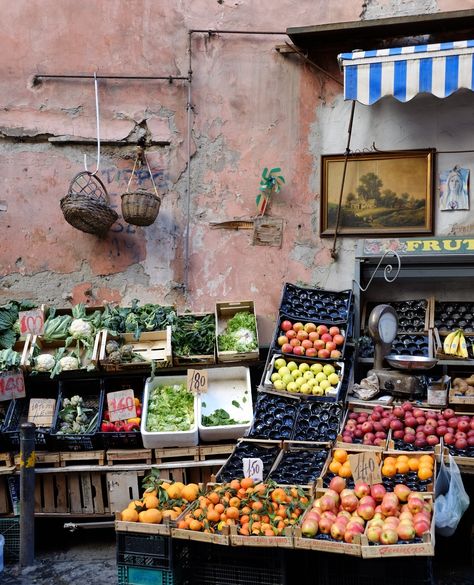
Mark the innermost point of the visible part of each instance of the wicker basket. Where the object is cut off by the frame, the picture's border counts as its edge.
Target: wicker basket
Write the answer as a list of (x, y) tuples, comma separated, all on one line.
[(140, 207), (86, 206)]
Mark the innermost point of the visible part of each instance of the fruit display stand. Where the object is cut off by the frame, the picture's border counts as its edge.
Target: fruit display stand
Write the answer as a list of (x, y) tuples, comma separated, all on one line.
[(405, 468), (338, 464)]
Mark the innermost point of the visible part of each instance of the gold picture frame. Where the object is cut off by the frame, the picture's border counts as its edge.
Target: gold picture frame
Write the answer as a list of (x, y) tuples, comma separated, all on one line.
[(385, 193)]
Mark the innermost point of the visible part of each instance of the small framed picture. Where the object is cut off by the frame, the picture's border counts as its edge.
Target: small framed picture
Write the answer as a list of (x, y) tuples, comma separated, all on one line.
[(454, 189)]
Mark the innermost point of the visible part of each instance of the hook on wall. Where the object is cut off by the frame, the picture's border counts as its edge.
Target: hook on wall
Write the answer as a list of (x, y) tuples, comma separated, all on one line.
[(386, 271), (97, 117)]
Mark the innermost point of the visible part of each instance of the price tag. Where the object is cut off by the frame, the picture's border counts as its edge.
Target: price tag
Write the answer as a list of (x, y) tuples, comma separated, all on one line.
[(12, 385), (197, 381), (121, 405), (41, 411), (365, 467), (253, 467), (31, 322)]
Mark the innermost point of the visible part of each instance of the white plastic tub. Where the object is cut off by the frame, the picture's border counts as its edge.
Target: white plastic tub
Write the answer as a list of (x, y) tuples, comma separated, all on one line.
[(167, 439), (224, 386)]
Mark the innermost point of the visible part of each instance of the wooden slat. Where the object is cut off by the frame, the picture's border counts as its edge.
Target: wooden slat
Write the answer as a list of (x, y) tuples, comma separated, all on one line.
[(86, 486), (4, 498), (48, 494), (61, 492), (97, 493), (74, 493), (38, 490), (122, 488)]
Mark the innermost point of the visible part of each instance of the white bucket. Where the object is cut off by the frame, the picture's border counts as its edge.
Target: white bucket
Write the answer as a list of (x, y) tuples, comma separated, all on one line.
[(2, 542)]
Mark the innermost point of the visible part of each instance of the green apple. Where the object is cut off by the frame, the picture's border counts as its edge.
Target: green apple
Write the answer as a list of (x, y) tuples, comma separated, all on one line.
[(287, 378), (316, 368), (280, 363), (283, 371), (296, 374), (320, 377), (308, 375), (291, 366), (305, 389), (317, 391), (292, 387), (275, 376), (300, 381), (324, 384), (304, 367), (329, 369), (279, 385), (311, 382), (333, 379)]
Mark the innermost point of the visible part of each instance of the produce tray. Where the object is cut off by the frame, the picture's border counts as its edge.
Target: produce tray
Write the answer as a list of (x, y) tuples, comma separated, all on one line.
[(276, 347), (267, 383), (274, 416), (414, 344), (226, 388), (195, 359), (163, 529), (447, 316), (327, 475), (355, 408), (438, 350), (224, 312), (156, 440), (152, 346), (233, 468), (80, 442), (413, 315), (317, 421), (130, 575), (312, 303), (17, 413), (425, 548), (144, 550), (299, 463), (219, 537), (410, 479), (455, 397)]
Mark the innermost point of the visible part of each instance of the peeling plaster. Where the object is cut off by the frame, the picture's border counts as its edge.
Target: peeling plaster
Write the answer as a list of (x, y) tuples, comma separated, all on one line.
[(389, 8)]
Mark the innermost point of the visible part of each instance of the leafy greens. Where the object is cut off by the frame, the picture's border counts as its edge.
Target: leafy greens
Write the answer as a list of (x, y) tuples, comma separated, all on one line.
[(240, 335), (220, 417), (170, 408)]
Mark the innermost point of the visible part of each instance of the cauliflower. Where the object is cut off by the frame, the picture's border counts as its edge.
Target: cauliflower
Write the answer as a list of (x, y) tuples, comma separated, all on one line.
[(69, 363), (80, 329), (44, 362)]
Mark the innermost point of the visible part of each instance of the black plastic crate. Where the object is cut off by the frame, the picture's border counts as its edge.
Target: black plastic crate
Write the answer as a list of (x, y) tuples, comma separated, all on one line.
[(144, 550), (318, 421), (274, 416), (217, 565), (403, 344), (449, 316), (233, 467), (313, 303), (4, 406), (129, 575), (18, 413), (77, 442), (299, 464), (122, 439)]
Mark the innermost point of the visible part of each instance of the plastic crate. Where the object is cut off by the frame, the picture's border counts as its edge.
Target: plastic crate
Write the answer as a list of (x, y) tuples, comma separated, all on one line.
[(80, 442), (144, 576), (3, 419), (274, 416), (144, 550), (211, 565), (318, 421), (10, 529), (316, 304), (267, 451), (17, 412)]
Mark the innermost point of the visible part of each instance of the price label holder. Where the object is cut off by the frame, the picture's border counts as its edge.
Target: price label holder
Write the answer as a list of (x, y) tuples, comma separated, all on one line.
[(31, 322), (253, 467), (121, 405), (41, 411), (365, 467), (197, 381), (12, 385)]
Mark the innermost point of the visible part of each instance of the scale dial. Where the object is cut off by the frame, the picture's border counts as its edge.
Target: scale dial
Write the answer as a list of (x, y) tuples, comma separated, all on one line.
[(383, 324)]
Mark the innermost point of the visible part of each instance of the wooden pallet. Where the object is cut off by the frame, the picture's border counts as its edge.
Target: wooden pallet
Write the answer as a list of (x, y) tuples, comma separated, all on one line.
[(118, 456), (82, 458), (43, 459), (176, 454), (4, 496), (207, 452)]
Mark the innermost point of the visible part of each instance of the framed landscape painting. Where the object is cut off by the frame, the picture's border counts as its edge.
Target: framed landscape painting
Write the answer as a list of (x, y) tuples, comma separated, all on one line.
[(385, 193)]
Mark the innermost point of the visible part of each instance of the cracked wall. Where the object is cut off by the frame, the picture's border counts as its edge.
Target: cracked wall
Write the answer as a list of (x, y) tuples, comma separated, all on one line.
[(251, 108)]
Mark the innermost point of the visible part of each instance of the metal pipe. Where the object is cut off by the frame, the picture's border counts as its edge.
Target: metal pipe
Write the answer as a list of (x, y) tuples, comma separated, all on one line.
[(169, 78), (236, 32), (27, 494), (189, 108)]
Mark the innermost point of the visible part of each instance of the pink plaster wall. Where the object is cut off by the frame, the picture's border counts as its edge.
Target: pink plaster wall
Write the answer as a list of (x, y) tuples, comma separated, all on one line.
[(252, 107)]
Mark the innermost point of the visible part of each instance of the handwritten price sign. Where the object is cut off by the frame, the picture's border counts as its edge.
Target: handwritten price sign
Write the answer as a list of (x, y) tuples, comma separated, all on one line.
[(121, 405), (365, 467), (12, 385), (31, 322), (197, 381), (253, 467)]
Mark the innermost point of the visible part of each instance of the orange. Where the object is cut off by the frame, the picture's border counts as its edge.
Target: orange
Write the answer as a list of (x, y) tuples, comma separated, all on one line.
[(340, 455), (335, 466), (425, 472), (214, 497), (232, 512), (152, 516), (279, 495), (151, 501), (129, 515), (235, 484), (213, 516), (426, 459), (136, 504), (219, 508), (171, 514), (195, 525), (149, 492), (174, 490), (234, 502), (390, 460), (345, 471), (402, 466), (414, 463), (389, 470), (247, 482), (190, 492), (402, 458), (257, 506), (183, 524)]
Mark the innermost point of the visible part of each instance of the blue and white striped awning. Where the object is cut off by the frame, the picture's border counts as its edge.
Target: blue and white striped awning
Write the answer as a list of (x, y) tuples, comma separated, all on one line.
[(404, 72)]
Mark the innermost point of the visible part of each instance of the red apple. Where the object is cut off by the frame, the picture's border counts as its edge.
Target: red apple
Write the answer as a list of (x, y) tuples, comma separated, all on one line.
[(324, 354), (464, 426), (361, 489), (402, 492), (313, 336), (310, 328), (460, 443), (291, 333), (319, 344), (448, 413), (325, 525), (335, 354), (309, 528), (286, 325), (338, 339), (449, 439), (406, 531), (377, 491), (421, 527), (295, 342), (321, 329), (311, 352), (287, 348), (307, 344), (337, 484), (330, 346), (374, 533), (389, 536), (299, 350)]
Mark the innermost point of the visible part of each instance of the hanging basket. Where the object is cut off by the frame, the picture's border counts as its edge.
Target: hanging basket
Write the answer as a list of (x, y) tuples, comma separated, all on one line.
[(86, 206), (140, 207)]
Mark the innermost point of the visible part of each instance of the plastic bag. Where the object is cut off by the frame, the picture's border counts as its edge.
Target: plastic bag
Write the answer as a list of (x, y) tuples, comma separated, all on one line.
[(451, 498)]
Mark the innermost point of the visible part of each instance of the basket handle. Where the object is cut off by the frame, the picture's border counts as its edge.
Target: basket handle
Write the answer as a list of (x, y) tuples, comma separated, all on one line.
[(149, 170)]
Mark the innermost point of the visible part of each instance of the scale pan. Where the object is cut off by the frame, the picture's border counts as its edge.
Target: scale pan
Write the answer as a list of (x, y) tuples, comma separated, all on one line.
[(410, 362)]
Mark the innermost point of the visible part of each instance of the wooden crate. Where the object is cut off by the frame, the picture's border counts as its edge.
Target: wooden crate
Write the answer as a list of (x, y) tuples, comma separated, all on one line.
[(352, 450), (5, 507), (152, 346), (195, 360), (352, 407), (175, 454), (43, 459), (285, 541), (122, 488), (5, 460), (82, 458), (224, 312), (118, 456), (76, 494), (332, 546), (221, 538), (418, 549), (209, 452), (163, 529)]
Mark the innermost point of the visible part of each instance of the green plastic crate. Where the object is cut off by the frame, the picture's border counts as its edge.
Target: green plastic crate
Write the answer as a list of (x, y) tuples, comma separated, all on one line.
[(144, 576), (10, 528)]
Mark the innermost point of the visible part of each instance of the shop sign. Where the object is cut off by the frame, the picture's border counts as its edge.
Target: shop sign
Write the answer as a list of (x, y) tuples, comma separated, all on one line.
[(419, 246)]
